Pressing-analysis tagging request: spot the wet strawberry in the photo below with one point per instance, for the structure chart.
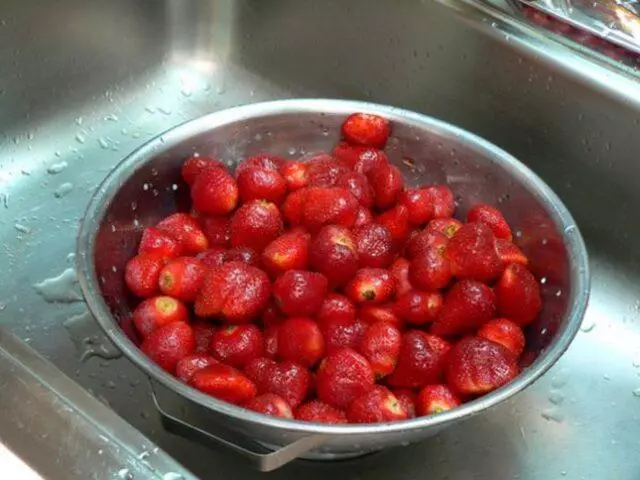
(202, 332)
(324, 170)
(371, 314)
(255, 225)
(407, 399)
(182, 277)
(320, 412)
(262, 160)
(332, 252)
(397, 221)
(430, 270)
(272, 315)
(380, 345)
(492, 218)
(418, 308)
(436, 399)
(328, 206)
(472, 253)
(366, 129)
(293, 206)
(142, 273)
(261, 184)
(192, 167)
(363, 217)
(476, 366)
(224, 382)
(371, 285)
(237, 345)
(359, 186)
(189, 365)
(270, 404)
(213, 257)
(186, 230)
(336, 307)
(216, 229)
(340, 333)
(444, 204)
(155, 241)
(467, 306)
(377, 405)
(518, 295)
(387, 183)
(370, 160)
(300, 340)
(155, 312)
(168, 344)
(243, 254)
(215, 192)
(343, 376)
(509, 253)
(400, 270)
(506, 333)
(374, 245)
(349, 154)
(300, 293)
(289, 380)
(418, 203)
(295, 174)
(287, 252)
(258, 369)
(425, 240)
(446, 226)
(420, 362)
(235, 293)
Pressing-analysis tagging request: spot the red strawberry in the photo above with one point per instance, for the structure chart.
(189, 365)
(472, 253)
(320, 412)
(509, 253)
(374, 245)
(407, 399)
(258, 369)
(213, 257)
(155, 241)
(295, 174)
(371, 314)
(243, 254)
(237, 345)
(420, 362)
(366, 129)
(332, 252)
(224, 382)
(418, 203)
(192, 167)
(400, 270)
(371, 285)
(287, 252)
(363, 217)
(324, 170)
(300, 293)
(466, 307)
(359, 186)
(476, 366)
(446, 226)
(186, 230)
(289, 380)
(271, 341)
(182, 277)
(444, 204)
(377, 405)
(156, 312)
(343, 376)
(300, 340)
(436, 399)
(272, 316)
(234, 292)
(215, 192)
(328, 206)
(203, 332)
(142, 273)
(387, 183)
(340, 333)
(518, 295)
(168, 344)
(381, 347)
(430, 270)
(418, 308)
(216, 229)
(270, 404)
(370, 160)
(336, 307)
(506, 333)
(263, 160)
(492, 218)
(424, 240)
(261, 184)
(397, 221)
(293, 206)
(255, 225)
(349, 154)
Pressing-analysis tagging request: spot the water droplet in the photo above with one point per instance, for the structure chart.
(60, 289)
(636, 392)
(125, 474)
(88, 340)
(570, 229)
(587, 326)
(186, 91)
(112, 117)
(606, 377)
(103, 143)
(553, 415)
(80, 138)
(57, 167)
(144, 455)
(172, 476)
(543, 280)
(22, 228)
(63, 190)
(556, 398)
(292, 151)
(150, 109)
(164, 110)
(559, 293)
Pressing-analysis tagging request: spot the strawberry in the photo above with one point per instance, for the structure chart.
(371, 314)
(343, 376)
(366, 129)
(237, 345)
(270, 404)
(293, 206)
(182, 277)
(397, 221)
(261, 184)
(380, 345)
(472, 253)
(446, 226)
(492, 218)
(186, 230)
(444, 204)
(377, 405)
(467, 306)
(215, 192)
(363, 217)
(418, 203)
(295, 174)
(359, 186)
(257, 369)
(300, 293)
(262, 160)
(271, 341)
(213, 257)
(349, 154)
(168, 344)
(155, 241)
(192, 167)
(216, 229)
(142, 273)
(243, 254)
(255, 225)
(476, 366)
(332, 252)
(518, 295)
(509, 253)
(320, 412)
(430, 270)
(374, 246)
(324, 170)
(328, 206)
(336, 307)
(300, 340)
(189, 365)
(387, 183)
(340, 333)
(224, 382)
(436, 399)
(202, 332)
(156, 312)
(420, 362)
(506, 333)
(234, 292)
(371, 285)
(370, 160)
(289, 380)
(418, 308)
(407, 399)
(289, 251)
(424, 240)
(400, 270)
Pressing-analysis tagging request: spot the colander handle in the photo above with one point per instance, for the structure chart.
(261, 458)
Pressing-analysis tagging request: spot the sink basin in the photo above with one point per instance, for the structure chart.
(98, 79)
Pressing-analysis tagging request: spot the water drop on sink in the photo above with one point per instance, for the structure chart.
(80, 138)
(164, 110)
(172, 476)
(57, 167)
(89, 340)
(125, 474)
(103, 143)
(60, 289)
(22, 228)
(63, 190)
(587, 326)
(553, 415)
(556, 398)
(636, 392)
(185, 91)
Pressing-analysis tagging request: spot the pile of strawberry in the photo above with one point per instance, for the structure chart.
(326, 290)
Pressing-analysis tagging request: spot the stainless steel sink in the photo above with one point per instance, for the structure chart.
(85, 82)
